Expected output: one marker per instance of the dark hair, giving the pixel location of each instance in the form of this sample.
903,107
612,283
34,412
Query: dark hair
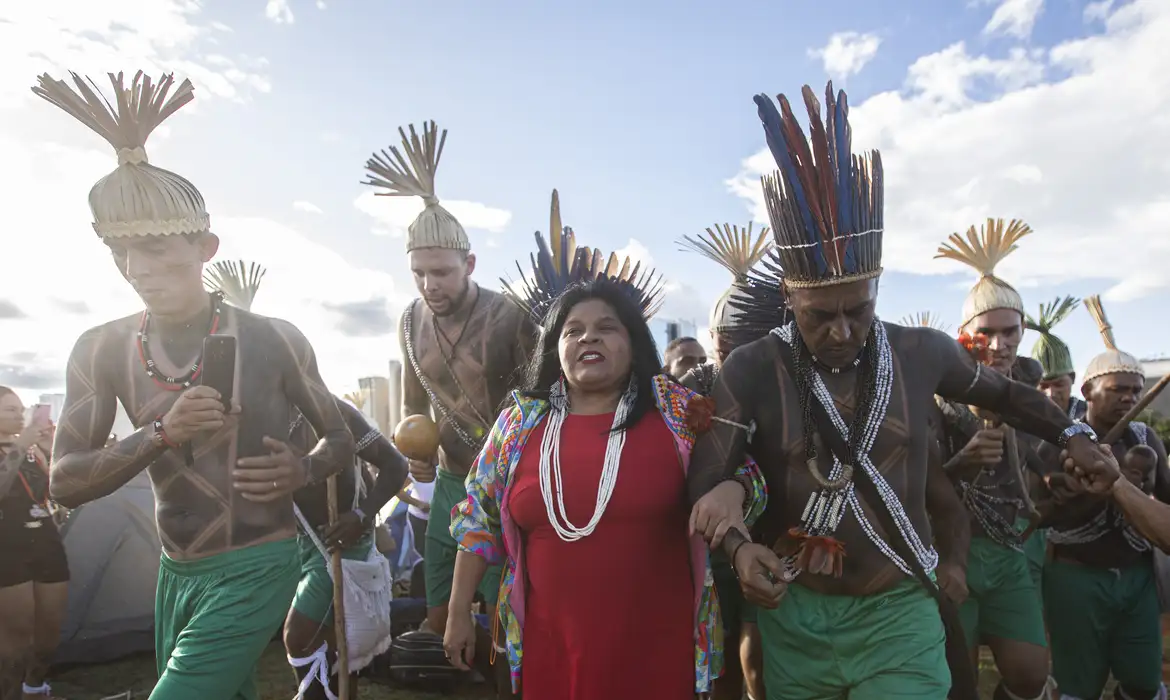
545,366
679,341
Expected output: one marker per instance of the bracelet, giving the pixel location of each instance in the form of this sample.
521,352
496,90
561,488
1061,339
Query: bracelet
162,433
735,550
747,491
1073,430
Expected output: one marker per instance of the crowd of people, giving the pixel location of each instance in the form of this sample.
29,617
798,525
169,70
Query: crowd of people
829,506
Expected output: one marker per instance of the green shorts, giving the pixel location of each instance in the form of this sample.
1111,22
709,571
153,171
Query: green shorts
314,598
214,617
878,647
1036,550
1102,621
439,564
1002,599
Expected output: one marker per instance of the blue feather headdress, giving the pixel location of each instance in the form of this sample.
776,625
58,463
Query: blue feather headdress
559,264
824,202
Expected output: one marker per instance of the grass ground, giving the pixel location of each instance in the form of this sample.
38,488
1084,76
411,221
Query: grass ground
136,674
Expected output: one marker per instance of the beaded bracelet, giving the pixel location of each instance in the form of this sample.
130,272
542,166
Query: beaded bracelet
162,433
747,491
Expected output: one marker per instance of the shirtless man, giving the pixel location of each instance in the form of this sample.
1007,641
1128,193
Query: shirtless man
308,630
737,251
861,620
1058,373
1100,590
989,465
463,348
223,479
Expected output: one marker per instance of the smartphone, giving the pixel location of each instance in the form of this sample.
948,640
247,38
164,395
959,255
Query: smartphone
219,366
42,413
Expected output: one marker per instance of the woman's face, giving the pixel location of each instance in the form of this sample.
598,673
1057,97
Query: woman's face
11,415
594,347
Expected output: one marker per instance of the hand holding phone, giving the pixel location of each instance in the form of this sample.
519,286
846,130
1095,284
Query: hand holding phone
219,366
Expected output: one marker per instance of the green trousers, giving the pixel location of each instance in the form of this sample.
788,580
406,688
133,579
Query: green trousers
1002,598
888,646
1036,550
214,617
1103,621
439,563
314,596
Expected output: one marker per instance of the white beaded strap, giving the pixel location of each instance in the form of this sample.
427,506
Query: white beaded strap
318,664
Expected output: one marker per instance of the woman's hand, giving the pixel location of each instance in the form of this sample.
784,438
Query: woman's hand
34,434
459,640
719,511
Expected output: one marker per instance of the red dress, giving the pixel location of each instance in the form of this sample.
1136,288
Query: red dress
609,616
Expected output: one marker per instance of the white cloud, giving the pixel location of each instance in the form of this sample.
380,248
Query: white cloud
307,207
278,11
392,215
321,5
636,251
847,53
51,162
1073,139
1098,11
1014,18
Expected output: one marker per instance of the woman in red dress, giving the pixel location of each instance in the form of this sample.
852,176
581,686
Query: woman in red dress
581,491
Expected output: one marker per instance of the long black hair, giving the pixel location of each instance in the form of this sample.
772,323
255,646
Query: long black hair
545,366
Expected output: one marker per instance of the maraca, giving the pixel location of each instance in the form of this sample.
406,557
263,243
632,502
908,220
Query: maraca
417,437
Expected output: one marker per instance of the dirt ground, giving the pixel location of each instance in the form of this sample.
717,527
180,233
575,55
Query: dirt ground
137,675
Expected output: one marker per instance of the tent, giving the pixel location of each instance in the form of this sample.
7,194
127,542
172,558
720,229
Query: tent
113,550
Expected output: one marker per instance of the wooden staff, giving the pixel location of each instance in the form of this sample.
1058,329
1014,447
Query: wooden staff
338,599
1115,432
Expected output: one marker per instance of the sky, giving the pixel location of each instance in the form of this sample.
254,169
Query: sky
640,114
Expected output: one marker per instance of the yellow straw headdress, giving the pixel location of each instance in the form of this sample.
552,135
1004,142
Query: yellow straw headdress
737,251
982,251
435,227
137,198
1113,360
925,319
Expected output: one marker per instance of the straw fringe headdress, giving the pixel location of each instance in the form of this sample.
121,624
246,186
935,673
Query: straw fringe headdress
435,227
559,264
137,198
1050,351
982,251
1113,360
825,203
737,251
925,319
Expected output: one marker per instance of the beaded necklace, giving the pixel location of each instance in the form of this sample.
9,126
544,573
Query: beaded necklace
827,506
175,383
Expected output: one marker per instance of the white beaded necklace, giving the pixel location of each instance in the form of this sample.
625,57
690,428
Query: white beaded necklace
550,463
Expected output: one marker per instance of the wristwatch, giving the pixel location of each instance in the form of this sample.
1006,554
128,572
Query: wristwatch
1077,428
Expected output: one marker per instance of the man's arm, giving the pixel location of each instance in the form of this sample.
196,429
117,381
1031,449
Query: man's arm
1161,471
414,398
302,381
949,519
1020,406
373,447
721,450
1149,516
83,468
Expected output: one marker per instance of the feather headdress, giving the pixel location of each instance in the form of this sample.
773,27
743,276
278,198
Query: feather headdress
137,198
738,252
1050,351
237,280
435,227
559,264
925,319
824,202
982,251
1113,360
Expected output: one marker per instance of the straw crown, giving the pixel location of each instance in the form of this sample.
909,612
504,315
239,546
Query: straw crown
1050,351
737,250
560,263
982,251
825,203
414,176
925,319
1113,360
137,198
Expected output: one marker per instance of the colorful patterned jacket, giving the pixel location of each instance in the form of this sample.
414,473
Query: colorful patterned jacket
482,524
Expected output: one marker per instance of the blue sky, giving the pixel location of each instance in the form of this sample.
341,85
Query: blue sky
640,114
